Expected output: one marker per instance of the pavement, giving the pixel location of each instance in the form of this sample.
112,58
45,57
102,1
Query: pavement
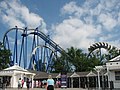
45,89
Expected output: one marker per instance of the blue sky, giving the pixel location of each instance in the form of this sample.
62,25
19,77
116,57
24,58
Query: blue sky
78,23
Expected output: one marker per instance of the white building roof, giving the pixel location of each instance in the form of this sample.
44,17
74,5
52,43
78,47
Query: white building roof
114,64
91,74
74,75
116,58
15,67
59,75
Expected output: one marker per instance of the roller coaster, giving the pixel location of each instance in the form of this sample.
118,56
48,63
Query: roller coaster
31,48
97,47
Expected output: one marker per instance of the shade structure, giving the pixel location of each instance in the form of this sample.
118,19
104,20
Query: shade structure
15,72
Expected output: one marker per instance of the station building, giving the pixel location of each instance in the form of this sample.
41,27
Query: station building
106,76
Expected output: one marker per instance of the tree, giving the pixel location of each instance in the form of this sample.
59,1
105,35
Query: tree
80,60
4,57
113,52
75,60
92,62
62,63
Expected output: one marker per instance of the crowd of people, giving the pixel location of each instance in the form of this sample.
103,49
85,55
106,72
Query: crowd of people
42,84
49,84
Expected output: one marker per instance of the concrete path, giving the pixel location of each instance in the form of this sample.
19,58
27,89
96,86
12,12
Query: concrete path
45,89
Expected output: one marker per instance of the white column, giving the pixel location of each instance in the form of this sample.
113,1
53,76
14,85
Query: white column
15,82
72,82
98,79
12,79
88,82
98,69
32,81
109,78
79,82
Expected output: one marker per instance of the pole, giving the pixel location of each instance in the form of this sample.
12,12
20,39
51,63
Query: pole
98,79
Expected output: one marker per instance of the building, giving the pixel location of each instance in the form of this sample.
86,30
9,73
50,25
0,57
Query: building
9,77
74,80
106,76
113,72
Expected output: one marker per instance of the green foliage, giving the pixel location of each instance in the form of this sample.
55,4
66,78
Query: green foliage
92,62
80,60
4,57
76,60
113,52
62,63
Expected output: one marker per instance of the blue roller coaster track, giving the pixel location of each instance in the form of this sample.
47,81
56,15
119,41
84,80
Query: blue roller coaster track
31,48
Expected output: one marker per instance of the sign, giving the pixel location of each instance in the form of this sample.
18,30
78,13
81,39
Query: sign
63,80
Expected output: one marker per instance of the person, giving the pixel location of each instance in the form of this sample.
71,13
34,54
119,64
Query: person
50,83
0,83
19,83
22,83
28,83
59,84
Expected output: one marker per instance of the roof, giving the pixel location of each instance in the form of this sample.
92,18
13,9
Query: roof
115,59
44,75
15,67
74,75
6,73
41,75
91,74
82,74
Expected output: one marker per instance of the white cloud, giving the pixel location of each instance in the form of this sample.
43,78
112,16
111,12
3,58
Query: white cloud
69,8
119,18
14,13
73,32
108,22
72,8
86,23
115,43
90,22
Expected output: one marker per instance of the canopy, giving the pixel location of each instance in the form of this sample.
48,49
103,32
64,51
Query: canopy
14,70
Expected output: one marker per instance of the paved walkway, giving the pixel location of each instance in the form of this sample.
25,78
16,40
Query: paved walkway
45,89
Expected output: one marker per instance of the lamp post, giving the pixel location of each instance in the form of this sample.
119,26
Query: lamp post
98,69
98,72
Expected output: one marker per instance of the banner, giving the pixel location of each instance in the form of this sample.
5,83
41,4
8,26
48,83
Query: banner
63,80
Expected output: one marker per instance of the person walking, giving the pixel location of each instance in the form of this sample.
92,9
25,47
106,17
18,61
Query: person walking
50,83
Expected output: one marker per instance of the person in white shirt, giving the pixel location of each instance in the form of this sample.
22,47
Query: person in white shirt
19,83
50,83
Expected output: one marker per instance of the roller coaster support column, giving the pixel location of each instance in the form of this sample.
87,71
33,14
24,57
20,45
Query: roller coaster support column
15,48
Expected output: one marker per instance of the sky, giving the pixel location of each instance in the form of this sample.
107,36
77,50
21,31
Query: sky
77,23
